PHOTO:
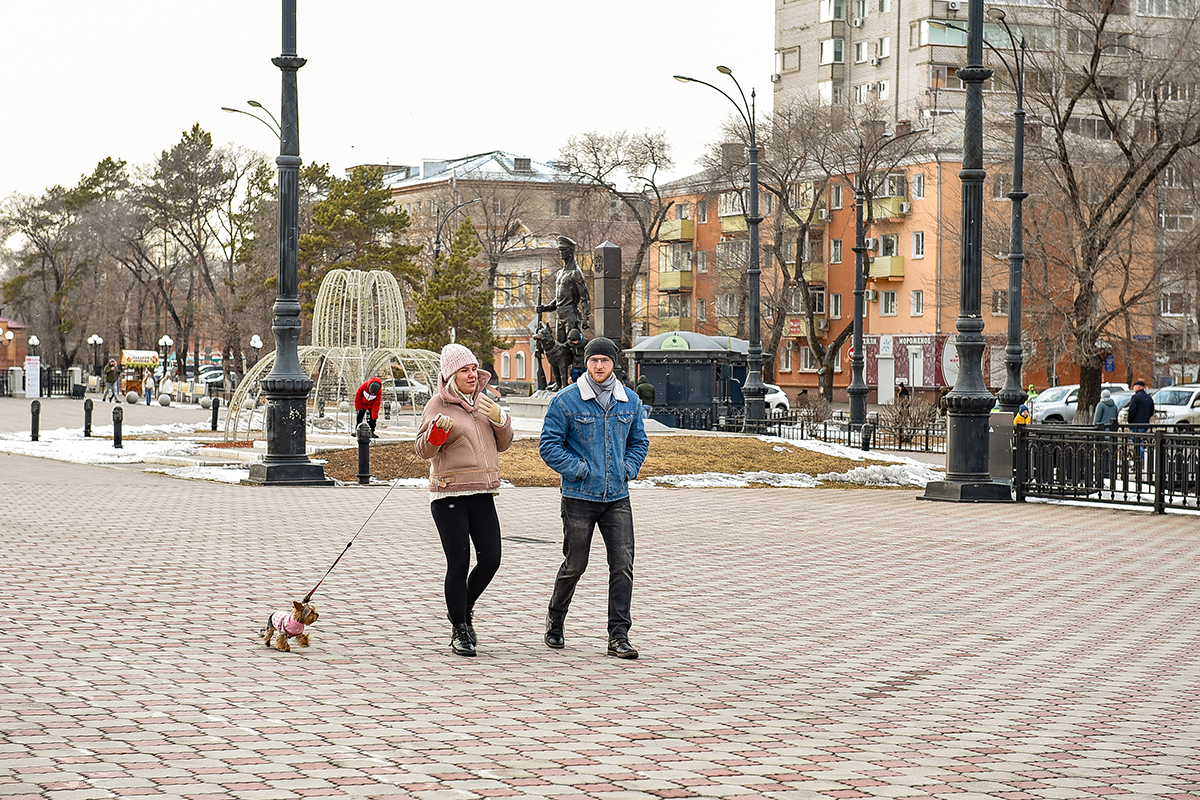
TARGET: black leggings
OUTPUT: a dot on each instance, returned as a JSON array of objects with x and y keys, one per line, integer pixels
[
  {"x": 461, "y": 522},
  {"x": 363, "y": 412}
]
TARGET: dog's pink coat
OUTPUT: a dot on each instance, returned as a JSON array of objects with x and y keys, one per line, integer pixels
[{"x": 284, "y": 621}]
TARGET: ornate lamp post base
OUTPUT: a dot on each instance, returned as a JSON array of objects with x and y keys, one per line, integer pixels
[
  {"x": 955, "y": 492},
  {"x": 299, "y": 474}
]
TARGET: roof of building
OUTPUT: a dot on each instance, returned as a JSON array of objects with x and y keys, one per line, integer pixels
[{"x": 496, "y": 165}]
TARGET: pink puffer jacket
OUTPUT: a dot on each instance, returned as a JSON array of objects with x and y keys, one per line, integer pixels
[{"x": 469, "y": 459}]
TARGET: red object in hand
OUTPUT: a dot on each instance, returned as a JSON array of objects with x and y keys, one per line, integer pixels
[{"x": 437, "y": 436}]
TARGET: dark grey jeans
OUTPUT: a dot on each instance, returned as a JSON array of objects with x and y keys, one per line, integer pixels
[{"x": 615, "y": 520}]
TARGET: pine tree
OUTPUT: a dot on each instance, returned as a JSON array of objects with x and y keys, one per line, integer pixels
[{"x": 457, "y": 298}]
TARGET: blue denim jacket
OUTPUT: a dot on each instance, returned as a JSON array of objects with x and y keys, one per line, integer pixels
[{"x": 596, "y": 452}]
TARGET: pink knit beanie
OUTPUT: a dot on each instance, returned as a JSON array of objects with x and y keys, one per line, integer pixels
[{"x": 454, "y": 358}]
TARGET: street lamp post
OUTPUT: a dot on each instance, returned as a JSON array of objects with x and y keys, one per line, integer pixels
[
  {"x": 34, "y": 341},
  {"x": 753, "y": 390},
  {"x": 969, "y": 404},
  {"x": 166, "y": 343},
  {"x": 286, "y": 387},
  {"x": 256, "y": 343},
  {"x": 437, "y": 238},
  {"x": 95, "y": 341}
]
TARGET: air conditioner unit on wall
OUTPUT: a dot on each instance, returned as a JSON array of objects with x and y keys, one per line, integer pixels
[
  {"x": 858, "y": 23},
  {"x": 870, "y": 244},
  {"x": 870, "y": 295},
  {"x": 822, "y": 214},
  {"x": 953, "y": 5},
  {"x": 822, "y": 324},
  {"x": 874, "y": 61},
  {"x": 905, "y": 208},
  {"x": 776, "y": 78}
]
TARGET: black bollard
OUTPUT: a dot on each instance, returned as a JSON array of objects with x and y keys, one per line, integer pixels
[
  {"x": 87, "y": 418},
  {"x": 215, "y": 407},
  {"x": 866, "y": 432},
  {"x": 36, "y": 408},
  {"x": 118, "y": 415},
  {"x": 364, "y": 453}
]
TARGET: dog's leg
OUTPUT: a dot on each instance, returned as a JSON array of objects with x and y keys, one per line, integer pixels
[
  {"x": 268, "y": 632},
  {"x": 281, "y": 642},
  {"x": 302, "y": 640}
]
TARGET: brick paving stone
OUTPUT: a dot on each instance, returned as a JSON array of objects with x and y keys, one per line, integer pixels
[{"x": 925, "y": 650}]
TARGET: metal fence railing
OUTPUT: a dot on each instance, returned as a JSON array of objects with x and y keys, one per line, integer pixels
[{"x": 1156, "y": 466}]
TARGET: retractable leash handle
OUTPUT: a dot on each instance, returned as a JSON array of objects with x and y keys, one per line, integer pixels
[{"x": 362, "y": 527}]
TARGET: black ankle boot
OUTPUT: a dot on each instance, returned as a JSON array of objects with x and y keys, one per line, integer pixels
[
  {"x": 471, "y": 626},
  {"x": 460, "y": 642}
]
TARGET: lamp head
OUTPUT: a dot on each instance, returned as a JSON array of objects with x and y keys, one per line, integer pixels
[
  {"x": 254, "y": 103},
  {"x": 228, "y": 110},
  {"x": 996, "y": 14},
  {"x": 683, "y": 79},
  {"x": 725, "y": 70}
]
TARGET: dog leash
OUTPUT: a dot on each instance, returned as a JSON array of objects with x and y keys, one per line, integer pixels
[{"x": 308, "y": 596}]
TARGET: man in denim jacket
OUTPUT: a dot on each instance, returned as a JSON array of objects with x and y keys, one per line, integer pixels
[{"x": 594, "y": 438}]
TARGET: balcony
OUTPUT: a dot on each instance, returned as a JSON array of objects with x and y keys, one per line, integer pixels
[
  {"x": 814, "y": 272},
  {"x": 674, "y": 324},
  {"x": 674, "y": 281},
  {"x": 890, "y": 207},
  {"x": 734, "y": 223},
  {"x": 677, "y": 230},
  {"x": 887, "y": 268}
]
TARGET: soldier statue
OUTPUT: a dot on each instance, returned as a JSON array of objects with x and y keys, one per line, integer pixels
[{"x": 572, "y": 302}]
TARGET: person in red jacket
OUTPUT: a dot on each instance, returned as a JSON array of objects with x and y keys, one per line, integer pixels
[{"x": 369, "y": 398}]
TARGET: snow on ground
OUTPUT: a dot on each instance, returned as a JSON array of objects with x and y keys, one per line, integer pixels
[{"x": 69, "y": 444}]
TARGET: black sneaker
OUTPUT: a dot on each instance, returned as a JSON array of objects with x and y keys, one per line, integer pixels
[
  {"x": 554, "y": 635},
  {"x": 460, "y": 642},
  {"x": 621, "y": 648}
]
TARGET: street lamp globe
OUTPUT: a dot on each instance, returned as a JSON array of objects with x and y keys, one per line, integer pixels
[
  {"x": 256, "y": 342},
  {"x": 34, "y": 341}
]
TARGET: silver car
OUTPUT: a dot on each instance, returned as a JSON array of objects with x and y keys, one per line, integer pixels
[{"x": 1056, "y": 405}]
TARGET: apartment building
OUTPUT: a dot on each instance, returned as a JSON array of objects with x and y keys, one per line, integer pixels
[{"x": 903, "y": 59}]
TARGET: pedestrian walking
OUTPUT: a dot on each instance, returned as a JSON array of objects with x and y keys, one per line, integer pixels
[
  {"x": 462, "y": 431},
  {"x": 1141, "y": 411},
  {"x": 148, "y": 385},
  {"x": 594, "y": 438},
  {"x": 645, "y": 392},
  {"x": 367, "y": 401},
  {"x": 1106, "y": 410},
  {"x": 112, "y": 374}
]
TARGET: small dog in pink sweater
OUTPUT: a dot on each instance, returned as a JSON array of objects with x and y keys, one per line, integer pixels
[{"x": 285, "y": 625}]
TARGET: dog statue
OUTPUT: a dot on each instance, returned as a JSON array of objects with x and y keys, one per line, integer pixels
[
  {"x": 557, "y": 353},
  {"x": 285, "y": 625}
]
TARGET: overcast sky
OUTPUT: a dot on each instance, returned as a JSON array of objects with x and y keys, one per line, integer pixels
[{"x": 386, "y": 81}]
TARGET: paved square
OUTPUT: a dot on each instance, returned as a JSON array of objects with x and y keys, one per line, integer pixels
[{"x": 795, "y": 644}]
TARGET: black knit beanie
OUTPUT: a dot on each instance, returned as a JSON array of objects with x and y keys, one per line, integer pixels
[{"x": 601, "y": 346}]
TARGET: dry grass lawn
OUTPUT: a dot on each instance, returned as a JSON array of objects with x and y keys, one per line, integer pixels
[{"x": 669, "y": 455}]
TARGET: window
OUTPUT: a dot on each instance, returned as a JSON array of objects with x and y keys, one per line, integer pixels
[
  {"x": 787, "y": 60},
  {"x": 1176, "y": 219},
  {"x": 729, "y": 204},
  {"x": 887, "y": 304},
  {"x": 860, "y": 52},
  {"x": 918, "y": 244},
  {"x": 830, "y": 52},
  {"x": 918, "y": 185},
  {"x": 1001, "y": 184},
  {"x": 683, "y": 211},
  {"x": 896, "y": 185},
  {"x": 1170, "y": 304},
  {"x": 640, "y": 295},
  {"x": 942, "y": 33},
  {"x": 835, "y": 195},
  {"x": 701, "y": 310},
  {"x": 785, "y": 356},
  {"x": 726, "y": 305},
  {"x": 816, "y": 295},
  {"x": 889, "y": 244},
  {"x": 946, "y": 77},
  {"x": 615, "y": 207},
  {"x": 885, "y": 6},
  {"x": 885, "y": 46},
  {"x": 835, "y": 251},
  {"x": 562, "y": 208},
  {"x": 831, "y": 93},
  {"x": 1000, "y": 303},
  {"x": 1167, "y": 8},
  {"x": 862, "y": 94},
  {"x": 702, "y": 211},
  {"x": 835, "y": 306},
  {"x": 733, "y": 255},
  {"x": 885, "y": 90},
  {"x": 829, "y": 10},
  {"x": 520, "y": 366},
  {"x": 860, "y": 9},
  {"x": 800, "y": 195},
  {"x": 702, "y": 261},
  {"x": 504, "y": 373},
  {"x": 916, "y": 303},
  {"x": 675, "y": 257},
  {"x": 1090, "y": 128},
  {"x": 675, "y": 306}
]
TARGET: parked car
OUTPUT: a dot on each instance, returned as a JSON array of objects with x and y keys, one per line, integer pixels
[
  {"x": 410, "y": 391},
  {"x": 1177, "y": 405},
  {"x": 775, "y": 400},
  {"x": 1056, "y": 405}
]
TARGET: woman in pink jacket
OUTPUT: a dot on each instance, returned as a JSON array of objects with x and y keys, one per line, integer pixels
[{"x": 462, "y": 433}]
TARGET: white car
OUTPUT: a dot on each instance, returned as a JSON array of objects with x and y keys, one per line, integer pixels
[
  {"x": 1057, "y": 404},
  {"x": 775, "y": 400},
  {"x": 1177, "y": 405}
]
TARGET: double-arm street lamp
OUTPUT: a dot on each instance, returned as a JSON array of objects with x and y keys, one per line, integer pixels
[
  {"x": 858, "y": 389},
  {"x": 95, "y": 341},
  {"x": 969, "y": 404},
  {"x": 753, "y": 390},
  {"x": 286, "y": 387},
  {"x": 437, "y": 237},
  {"x": 1011, "y": 395},
  {"x": 275, "y": 129},
  {"x": 165, "y": 342},
  {"x": 34, "y": 341}
]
